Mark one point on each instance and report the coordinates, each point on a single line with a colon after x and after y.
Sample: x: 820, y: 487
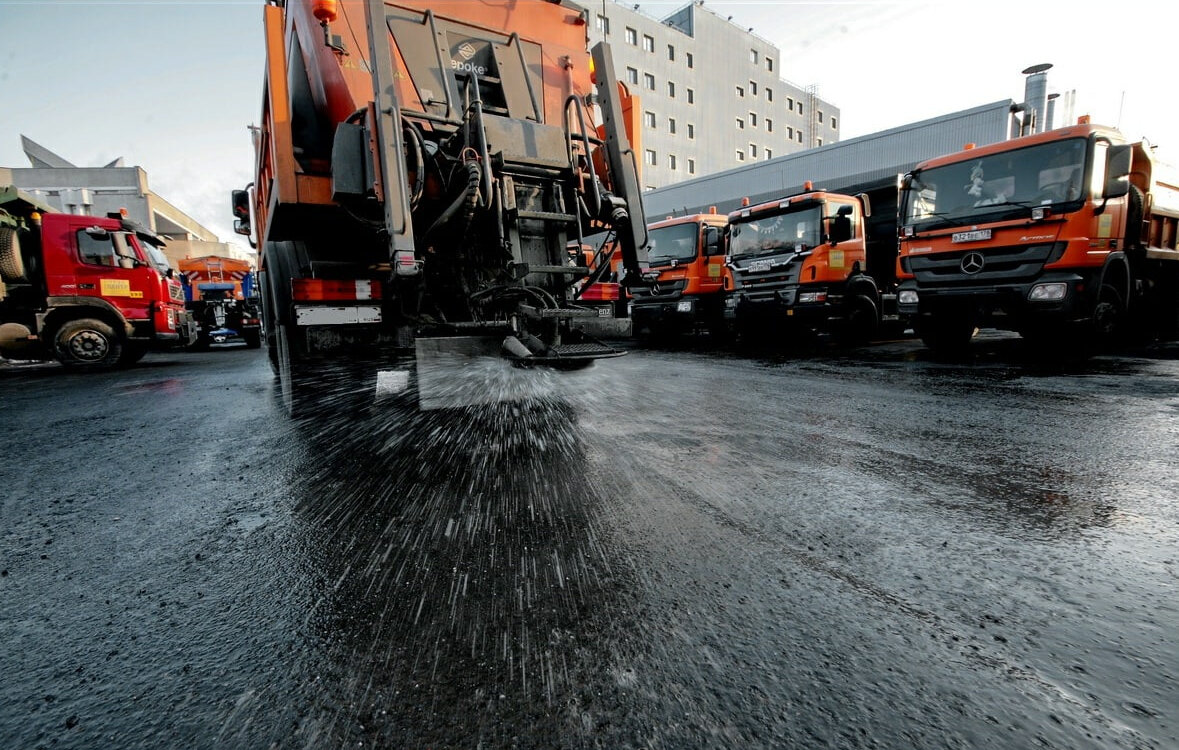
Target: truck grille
x: 663, y: 290
x: 999, y: 264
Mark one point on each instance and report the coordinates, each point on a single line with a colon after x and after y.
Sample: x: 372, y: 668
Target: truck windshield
x: 798, y: 230
x: 156, y: 256
x: 997, y: 187
x: 677, y: 242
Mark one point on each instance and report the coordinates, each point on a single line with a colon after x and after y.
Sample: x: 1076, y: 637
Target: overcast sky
x: 172, y: 85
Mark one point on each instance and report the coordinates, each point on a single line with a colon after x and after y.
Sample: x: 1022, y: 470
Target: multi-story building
x: 712, y: 94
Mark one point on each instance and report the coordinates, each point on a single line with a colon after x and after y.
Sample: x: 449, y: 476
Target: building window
x: 691, y: 166
x: 753, y: 119
x: 670, y: 52
x: 820, y: 140
x: 753, y: 56
x: 671, y: 125
x: 632, y: 36
x: 671, y: 89
x: 789, y: 134
x: 648, y: 43
x: 798, y: 136
x: 790, y: 103
x: 740, y: 155
x: 769, y: 154
x: 769, y: 125
x: 800, y: 107
x: 603, y: 24
x: 753, y: 88
x: 740, y: 124
x: 671, y: 162
x: 651, y: 158
x: 752, y: 150
x: 740, y: 92
x: 691, y: 96
x: 770, y: 64
x: 691, y: 131
x: 632, y: 76
x: 833, y: 126
x: 820, y: 114
x: 649, y: 119
x: 690, y: 59
x: 769, y: 94
x: 648, y: 81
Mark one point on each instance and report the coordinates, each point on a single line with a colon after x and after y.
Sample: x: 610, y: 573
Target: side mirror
x: 840, y: 228
x: 711, y: 241
x: 241, y: 227
x: 1117, y: 172
x: 241, y: 205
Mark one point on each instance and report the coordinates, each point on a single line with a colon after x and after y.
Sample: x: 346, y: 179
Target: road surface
x: 681, y: 549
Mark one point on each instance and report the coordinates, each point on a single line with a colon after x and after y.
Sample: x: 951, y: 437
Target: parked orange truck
x: 421, y: 169
x: 1067, y: 236
x: 812, y: 261
x: 687, y: 278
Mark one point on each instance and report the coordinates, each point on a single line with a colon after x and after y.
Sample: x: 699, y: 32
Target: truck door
x: 110, y: 268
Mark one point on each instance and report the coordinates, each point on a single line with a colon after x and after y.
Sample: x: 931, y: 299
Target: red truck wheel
x: 87, y: 343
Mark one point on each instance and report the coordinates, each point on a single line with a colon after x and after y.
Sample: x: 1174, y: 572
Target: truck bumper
x: 783, y: 308
x: 1053, y: 298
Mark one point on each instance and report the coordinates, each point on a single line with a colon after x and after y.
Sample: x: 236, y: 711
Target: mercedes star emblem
x: 972, y: 263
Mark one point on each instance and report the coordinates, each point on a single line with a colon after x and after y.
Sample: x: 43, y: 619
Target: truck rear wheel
x: 87, y: 343
x: 253, y: 338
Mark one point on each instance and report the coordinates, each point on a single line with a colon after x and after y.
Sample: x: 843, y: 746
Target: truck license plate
x: 975, y: 236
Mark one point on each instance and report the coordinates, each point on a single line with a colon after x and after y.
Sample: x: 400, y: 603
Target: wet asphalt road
x: 694, y: 549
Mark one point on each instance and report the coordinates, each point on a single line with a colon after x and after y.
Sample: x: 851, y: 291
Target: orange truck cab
x: 92, y: 292
x: 802, y: 262
x: 687, y: 272
x: 1066, y: 236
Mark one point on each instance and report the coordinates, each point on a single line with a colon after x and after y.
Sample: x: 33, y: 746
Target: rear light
x: 320, y: 290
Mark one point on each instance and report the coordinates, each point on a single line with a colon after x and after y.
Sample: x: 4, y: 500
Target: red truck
x: 1066, y: 236
x: 91, y: 292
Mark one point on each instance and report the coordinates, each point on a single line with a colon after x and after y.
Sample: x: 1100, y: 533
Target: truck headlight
x: 684, y: 306
x: 907, y: 297
x: 1053, y: 292
x: 805, y: 297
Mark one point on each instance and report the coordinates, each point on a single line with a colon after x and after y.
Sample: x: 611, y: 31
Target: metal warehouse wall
x: 854, y: 162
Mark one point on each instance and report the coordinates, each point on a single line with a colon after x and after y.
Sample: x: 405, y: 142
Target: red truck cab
x: 89, y: 291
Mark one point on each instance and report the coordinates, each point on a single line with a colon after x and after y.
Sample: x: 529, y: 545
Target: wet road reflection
x: 684, y: 550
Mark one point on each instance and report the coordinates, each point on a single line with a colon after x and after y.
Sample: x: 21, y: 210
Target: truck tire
x: 87, y: 343
x: 12, y: 265
x: 947, y: 335
x: 253, y: 338
x: 861, y: 320
x: 1108, y: 315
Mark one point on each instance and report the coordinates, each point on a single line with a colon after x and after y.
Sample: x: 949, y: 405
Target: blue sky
x: 172, y: 85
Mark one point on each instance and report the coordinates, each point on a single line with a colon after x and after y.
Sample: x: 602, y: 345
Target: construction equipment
x: 421, y: 169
